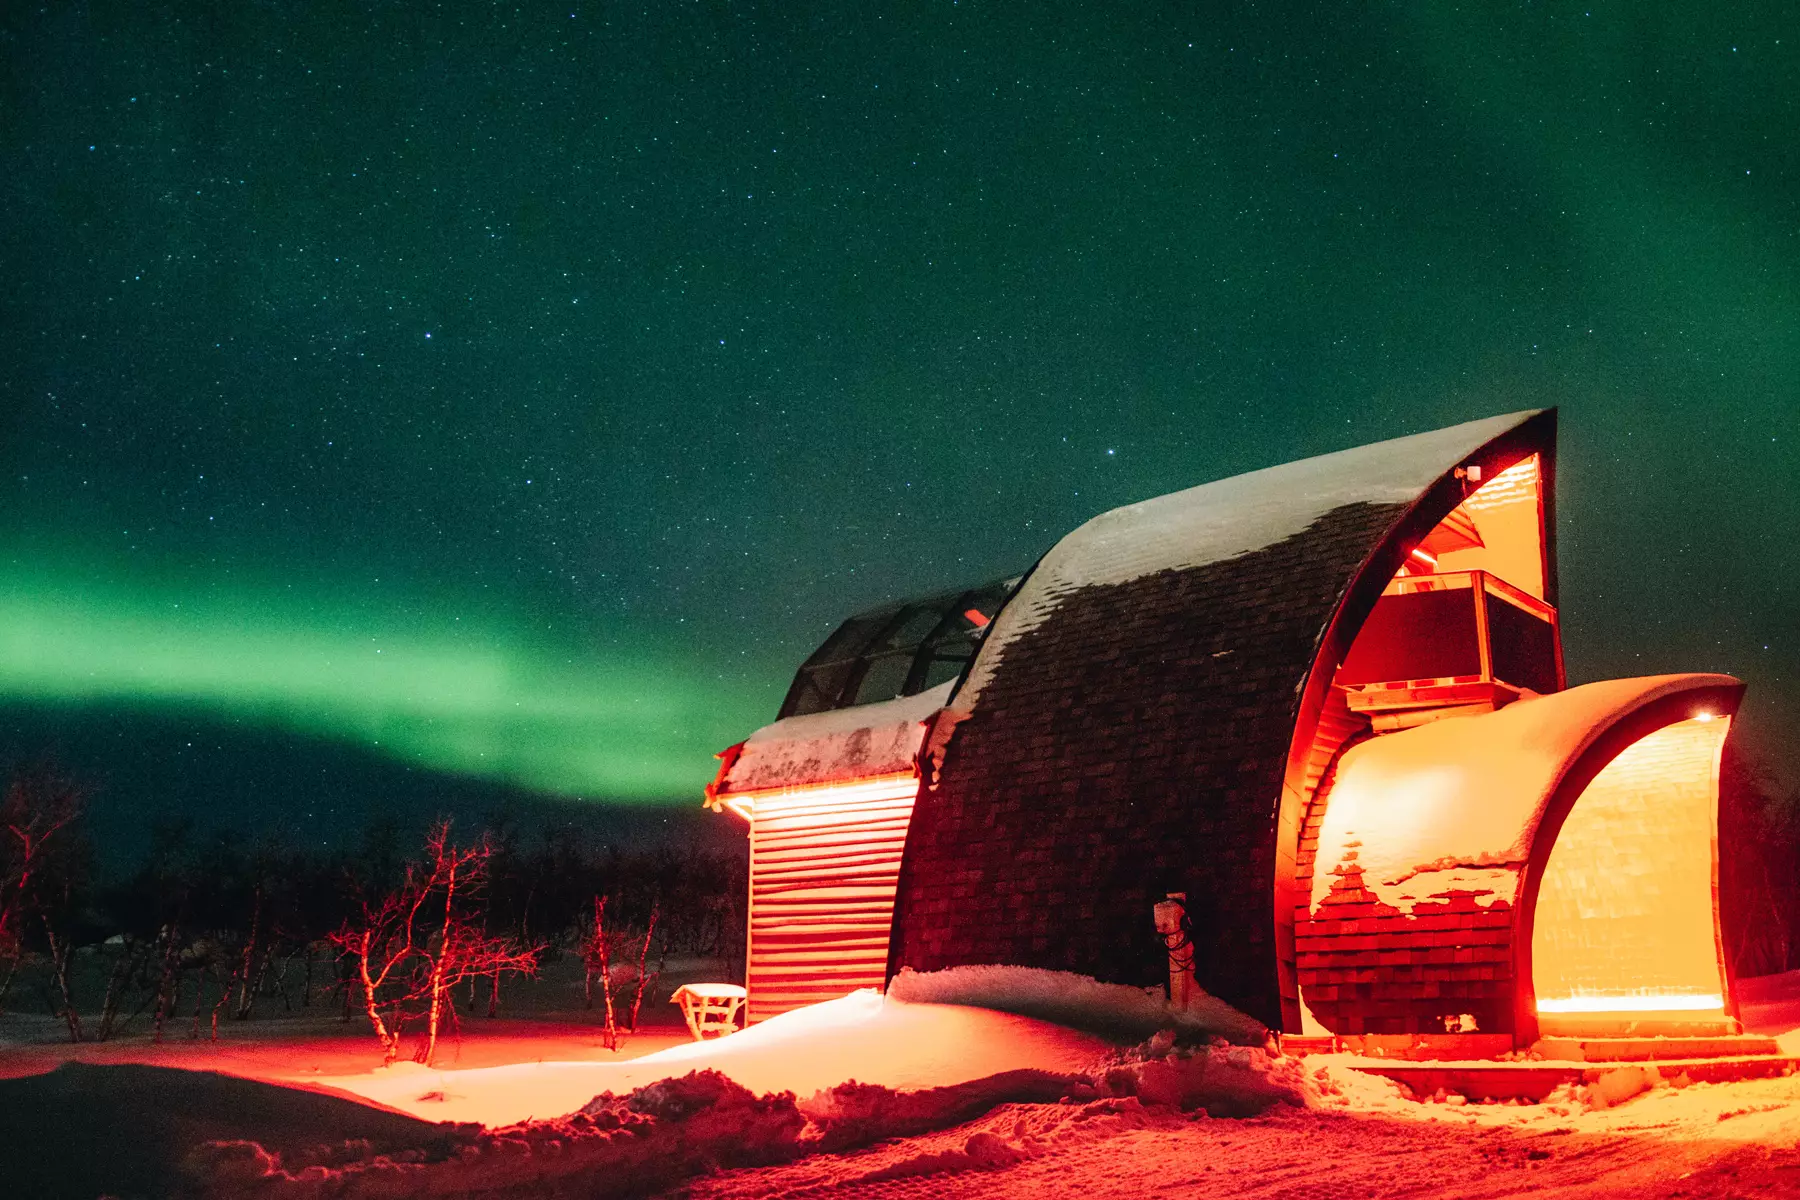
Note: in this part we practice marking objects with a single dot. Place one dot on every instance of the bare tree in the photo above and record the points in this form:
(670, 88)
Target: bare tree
(644, 979)
(463, 949)
(246, 974)
(412, 945)
(38, 805)
(126, 972)
(168, 983)
(597, 957)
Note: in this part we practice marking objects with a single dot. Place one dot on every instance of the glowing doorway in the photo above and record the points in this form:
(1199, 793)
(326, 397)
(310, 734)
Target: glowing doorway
(1625, 935)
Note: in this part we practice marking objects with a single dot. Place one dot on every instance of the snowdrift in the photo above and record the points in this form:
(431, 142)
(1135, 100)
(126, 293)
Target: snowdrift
(1771, 1004)
(824, 1079)
(83, 1131)
(930, 1030)
(1079, 1002)
(862, 1036)
(702, 1122)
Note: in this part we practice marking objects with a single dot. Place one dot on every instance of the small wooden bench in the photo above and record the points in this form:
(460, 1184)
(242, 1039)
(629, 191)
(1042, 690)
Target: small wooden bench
(711, 1009)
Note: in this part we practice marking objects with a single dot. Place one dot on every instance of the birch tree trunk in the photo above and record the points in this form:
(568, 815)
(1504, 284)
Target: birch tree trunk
(60, 954)
(440, 964)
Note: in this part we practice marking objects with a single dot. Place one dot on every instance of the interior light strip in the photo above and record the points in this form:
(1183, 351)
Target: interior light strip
(824, 798)
(1650, 1002)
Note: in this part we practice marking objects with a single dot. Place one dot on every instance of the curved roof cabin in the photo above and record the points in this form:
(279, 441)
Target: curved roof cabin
(1323, 702)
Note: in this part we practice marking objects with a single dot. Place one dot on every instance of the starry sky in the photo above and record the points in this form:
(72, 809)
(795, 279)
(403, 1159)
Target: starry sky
(510, 396)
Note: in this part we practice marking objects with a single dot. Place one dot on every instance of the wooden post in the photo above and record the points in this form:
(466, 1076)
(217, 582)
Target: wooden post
(1172, 927)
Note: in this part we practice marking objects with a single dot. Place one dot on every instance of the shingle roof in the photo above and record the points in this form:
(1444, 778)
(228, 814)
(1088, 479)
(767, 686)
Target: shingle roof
(1226, 519)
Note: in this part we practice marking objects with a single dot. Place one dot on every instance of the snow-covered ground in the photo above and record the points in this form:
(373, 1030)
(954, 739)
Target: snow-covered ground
(1730, 1140)
(953, 1101)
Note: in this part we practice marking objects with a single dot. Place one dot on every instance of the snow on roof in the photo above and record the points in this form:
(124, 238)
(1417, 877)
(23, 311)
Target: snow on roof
(844, 743)
(1225, 519)
(862, 1036)
(1455, 804)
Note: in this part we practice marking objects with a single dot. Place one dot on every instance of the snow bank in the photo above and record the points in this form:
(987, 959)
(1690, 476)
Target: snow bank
(931, 1031)
(846, 743)
(1226, 519)
(1077, 1001)
(861, 1037)
(645, 1142)
(858, 1114)
(1117, 1132)
(649, 1141)
(1226, 1081)
(701, 1122)
(1770, 1003)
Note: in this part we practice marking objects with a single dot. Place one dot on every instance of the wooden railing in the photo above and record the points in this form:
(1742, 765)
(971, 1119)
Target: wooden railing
(1461, 635)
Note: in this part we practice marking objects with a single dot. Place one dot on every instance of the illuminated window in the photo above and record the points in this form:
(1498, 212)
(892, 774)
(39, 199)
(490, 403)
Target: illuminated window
(1465, 610)
(896, 650)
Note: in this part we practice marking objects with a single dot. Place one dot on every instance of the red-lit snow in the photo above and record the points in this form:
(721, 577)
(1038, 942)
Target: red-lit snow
(1119, 1130)
(1701, 1143)
(1455, 804)
(861, 1037)
(1226, 519)
(1771, 1004)
(1076, 1000)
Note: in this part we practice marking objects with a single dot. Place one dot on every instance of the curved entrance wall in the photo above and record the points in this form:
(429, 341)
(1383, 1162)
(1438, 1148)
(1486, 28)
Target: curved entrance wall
(1625, 926)
(1433, 849)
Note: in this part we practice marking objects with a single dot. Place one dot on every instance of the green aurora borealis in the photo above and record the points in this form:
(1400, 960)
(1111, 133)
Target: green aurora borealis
(519, 392)
(484, 701)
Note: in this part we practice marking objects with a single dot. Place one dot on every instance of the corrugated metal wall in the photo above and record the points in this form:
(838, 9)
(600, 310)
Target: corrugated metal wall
(824, 862)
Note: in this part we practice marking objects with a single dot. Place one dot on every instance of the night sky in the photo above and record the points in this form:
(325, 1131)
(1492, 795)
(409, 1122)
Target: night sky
(396, 403)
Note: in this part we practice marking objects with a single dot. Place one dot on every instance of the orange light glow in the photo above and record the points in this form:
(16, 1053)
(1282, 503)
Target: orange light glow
(1423, 556)
(1625, 917)
(1506, 511)
(1520, 479)
(822, 799)
(824, 865)
(1646, 1002)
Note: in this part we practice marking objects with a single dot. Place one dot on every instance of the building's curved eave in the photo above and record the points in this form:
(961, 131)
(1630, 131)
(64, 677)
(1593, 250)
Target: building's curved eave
(1225, 519)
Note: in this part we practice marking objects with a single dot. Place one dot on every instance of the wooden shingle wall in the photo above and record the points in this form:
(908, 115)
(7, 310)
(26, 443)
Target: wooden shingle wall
(1130, 744)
